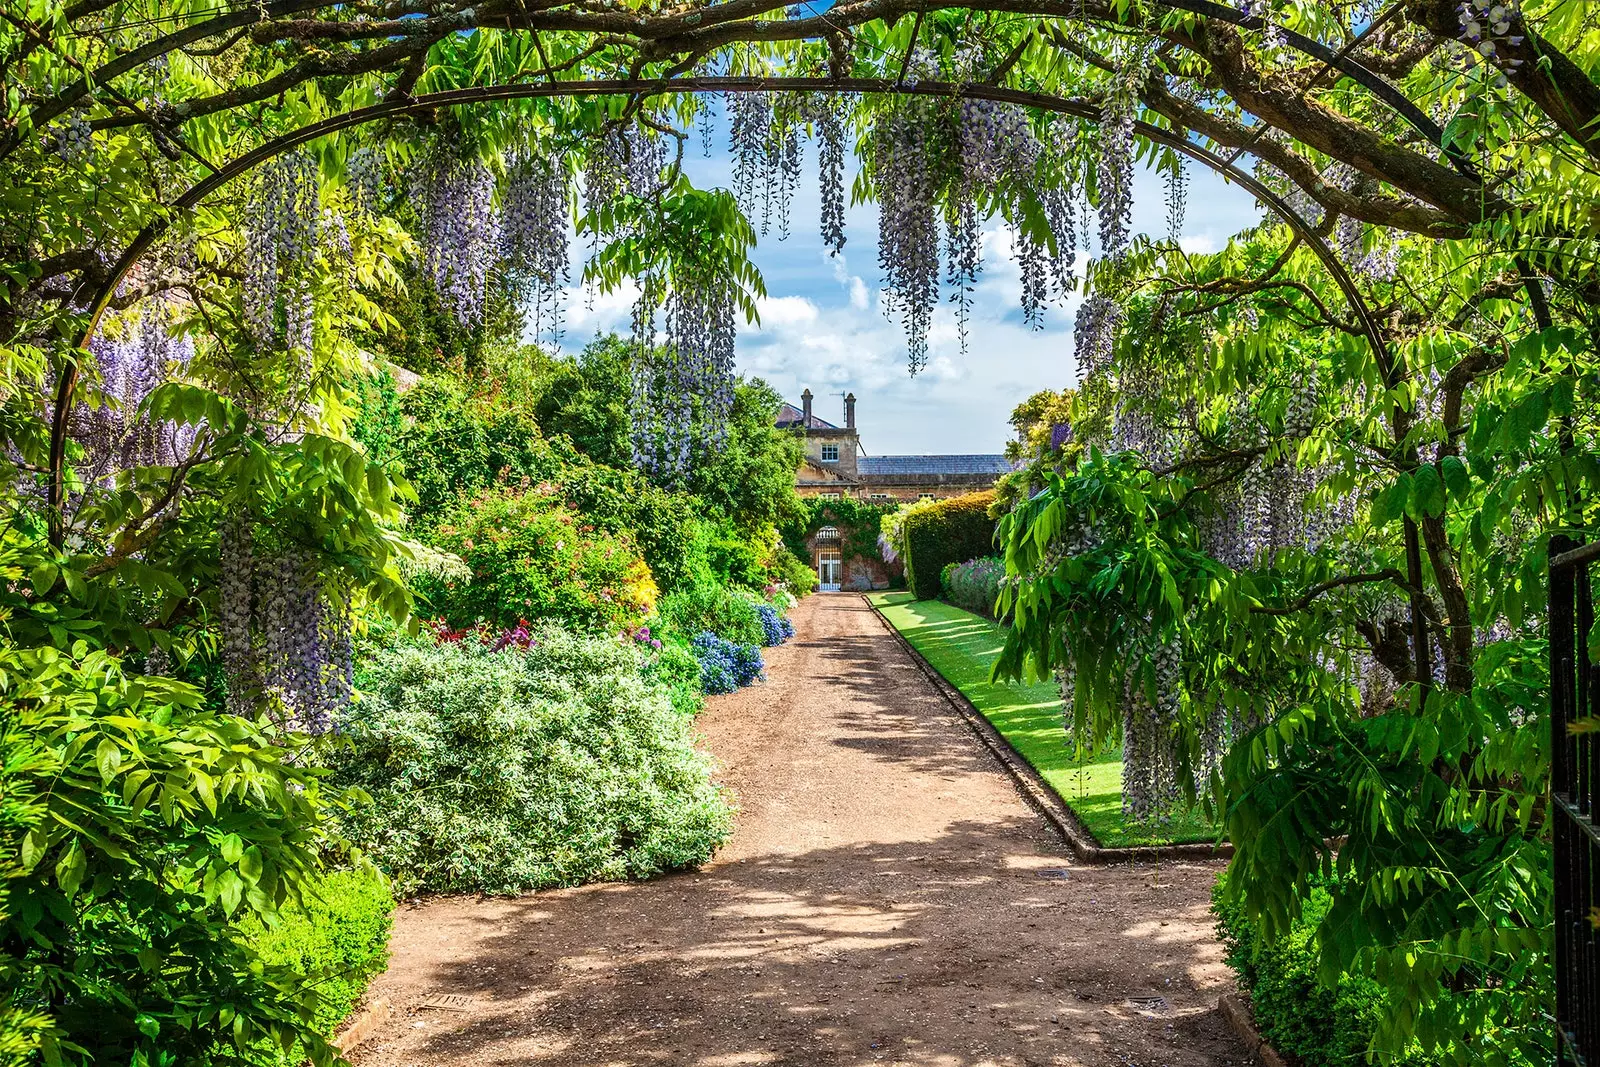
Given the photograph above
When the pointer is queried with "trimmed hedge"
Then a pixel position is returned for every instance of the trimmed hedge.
(975, 584)
(338, 938)
(951, 531)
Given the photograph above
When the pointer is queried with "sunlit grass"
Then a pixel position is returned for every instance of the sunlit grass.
(962, 647)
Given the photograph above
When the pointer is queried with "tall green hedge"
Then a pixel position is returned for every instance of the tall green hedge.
(951, 531)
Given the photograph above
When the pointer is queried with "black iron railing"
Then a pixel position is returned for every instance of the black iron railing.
(1574, 793)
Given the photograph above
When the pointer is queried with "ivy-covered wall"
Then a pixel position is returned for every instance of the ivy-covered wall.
(857, 521)
(951, 531)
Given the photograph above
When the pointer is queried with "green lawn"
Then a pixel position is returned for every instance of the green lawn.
(962, 647)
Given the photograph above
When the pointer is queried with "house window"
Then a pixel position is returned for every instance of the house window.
(830, 453)
(924, 496)
(882, 496)
(828, 496)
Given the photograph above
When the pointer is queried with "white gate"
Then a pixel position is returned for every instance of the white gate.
(829, 569)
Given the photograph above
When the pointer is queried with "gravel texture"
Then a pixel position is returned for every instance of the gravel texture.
(887, 898)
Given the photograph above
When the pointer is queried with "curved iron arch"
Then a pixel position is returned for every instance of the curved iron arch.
(643, 88)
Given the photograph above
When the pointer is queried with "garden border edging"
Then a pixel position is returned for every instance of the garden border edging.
(1033, 787)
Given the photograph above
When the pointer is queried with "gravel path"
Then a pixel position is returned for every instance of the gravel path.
(887, 898)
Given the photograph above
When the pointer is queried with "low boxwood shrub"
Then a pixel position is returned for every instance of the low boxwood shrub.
(506, 772)
(337, 936)
(975, 584)
(947, 531)
(532, 557)
(1315, 1025)
(726, 665)
(728, 613)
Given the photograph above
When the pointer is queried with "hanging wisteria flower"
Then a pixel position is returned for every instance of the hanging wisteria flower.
(1177, 180)
(115, 435)
(908, 226)
(683, 391)
(1487, 25)
(286, 634)
(281, 222)
(73, 137)
(536, 207)
(460, 231)
(1117, 113)
(830, 170)
(1094, 335)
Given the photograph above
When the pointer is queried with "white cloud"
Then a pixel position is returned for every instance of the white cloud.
(776, 311)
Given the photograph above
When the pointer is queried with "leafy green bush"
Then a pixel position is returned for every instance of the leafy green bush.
(974, 585)
(791, 572)
(454, 444)
(533, 558)
(947, 531)
(142, 827)
(513, 771)
(337, 936)
(728, 613)
(668, 527)
(675, 667)
(1298, 1015)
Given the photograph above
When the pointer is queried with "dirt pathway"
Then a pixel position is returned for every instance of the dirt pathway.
(887, 898)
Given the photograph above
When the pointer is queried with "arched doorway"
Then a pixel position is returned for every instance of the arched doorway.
(829, 561)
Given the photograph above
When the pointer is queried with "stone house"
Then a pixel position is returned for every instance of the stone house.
(836, 466)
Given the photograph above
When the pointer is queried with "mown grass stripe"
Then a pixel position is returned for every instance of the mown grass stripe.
(962, 647)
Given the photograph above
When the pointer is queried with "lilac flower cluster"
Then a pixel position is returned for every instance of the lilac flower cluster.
(776, 628)
(726, 665)
(643, 636)
(460, 231)
(281, 224)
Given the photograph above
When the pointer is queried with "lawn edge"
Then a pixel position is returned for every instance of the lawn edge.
(1038, 792)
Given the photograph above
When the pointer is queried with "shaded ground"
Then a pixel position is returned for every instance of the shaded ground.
(963, 647)
(887, 898)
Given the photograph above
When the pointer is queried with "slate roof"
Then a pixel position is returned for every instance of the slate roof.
(789, 415)
(868, 466)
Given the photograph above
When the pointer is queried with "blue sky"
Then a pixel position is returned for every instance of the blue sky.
(822, 326)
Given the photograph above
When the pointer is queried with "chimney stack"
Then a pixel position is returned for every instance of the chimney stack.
(805, 409)
(850, 411)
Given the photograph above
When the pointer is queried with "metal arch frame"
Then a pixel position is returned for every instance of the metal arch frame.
(643, 88)
(1209, 9)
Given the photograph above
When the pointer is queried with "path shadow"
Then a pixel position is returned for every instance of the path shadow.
(953, 951)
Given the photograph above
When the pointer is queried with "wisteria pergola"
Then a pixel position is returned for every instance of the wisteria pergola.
(1205, 95)
(1356, 124)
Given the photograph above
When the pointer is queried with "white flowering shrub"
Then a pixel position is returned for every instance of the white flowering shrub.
(525, 769)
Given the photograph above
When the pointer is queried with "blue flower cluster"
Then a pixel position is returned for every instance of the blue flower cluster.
(776, 628)
(725, 665)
